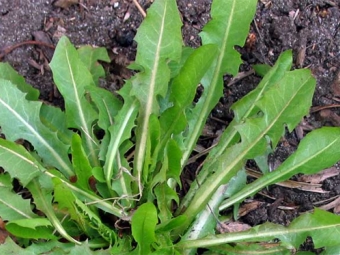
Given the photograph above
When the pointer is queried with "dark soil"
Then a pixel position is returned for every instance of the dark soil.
(310, 28)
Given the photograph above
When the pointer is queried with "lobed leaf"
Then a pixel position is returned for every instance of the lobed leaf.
(144, 223)
(55, 120)
(14, 207)
(228, 27)
(165, 196)
(43, 200)
(108, 106)
(36, 228)
(93, 221)
(81, 164)
(72, 77)
(159, 41)
(25, 124)
(50, 247)
(244, 108)
(119, 133)
(8, 73)
(284, 104)
(182, 93)
(10, 247)
(18, 162)
(322, 226)
(90, 57)
(317, 151)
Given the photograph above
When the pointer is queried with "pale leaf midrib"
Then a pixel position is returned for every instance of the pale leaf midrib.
(114, 148)
(15, 209)
(211, 90)
(84, 126)
(38, 136)
(220, 174)
(19, 156)
(269, 181)
(149, 103)
(227, 238)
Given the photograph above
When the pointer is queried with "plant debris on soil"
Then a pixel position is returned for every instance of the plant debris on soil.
(30, 29)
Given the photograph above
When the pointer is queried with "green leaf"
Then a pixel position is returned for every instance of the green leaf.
(90, 56)
(86, 196)
(244, 108)
(229, 18)
(31, 228)
(14, 207)
(94, 222)
(8, 73)
(108, 105)
(81, 165)
(143, 223)
(61, 248)
(171, 224)
(10, 247)
(159, 41)
(282, 105)
(43, 200)
(261, 69)
(25, 123)
(65, 198)
(205, 222)
(255, 249)
(228, 27)
(317, 151)
(72, 77)
(334, 249)
(165, 197)
(182, 93)
(5, 179)
(18, 162)
(55, 120)
(322, 226)
(119, 133)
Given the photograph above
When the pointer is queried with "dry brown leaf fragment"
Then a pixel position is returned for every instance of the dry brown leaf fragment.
(3, 232)
(232, 226)
(65, 3)
(319, 177)
(248, 207)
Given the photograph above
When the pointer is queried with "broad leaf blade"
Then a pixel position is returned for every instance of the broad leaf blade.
(317, 151)
(17, 161)
(43, 200)
(108, 105)
(182, 92)
(81, 164)
(291, 97)
(144, 223)
(244, 108)
(25, 123)
(159, 41)
(8, 73)
(36, 228)
(10, 247)
(90, 56)
(322, 226)
(229, 27)
(14, 207)
(71, 77)
(55, 120)
(119, 133)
